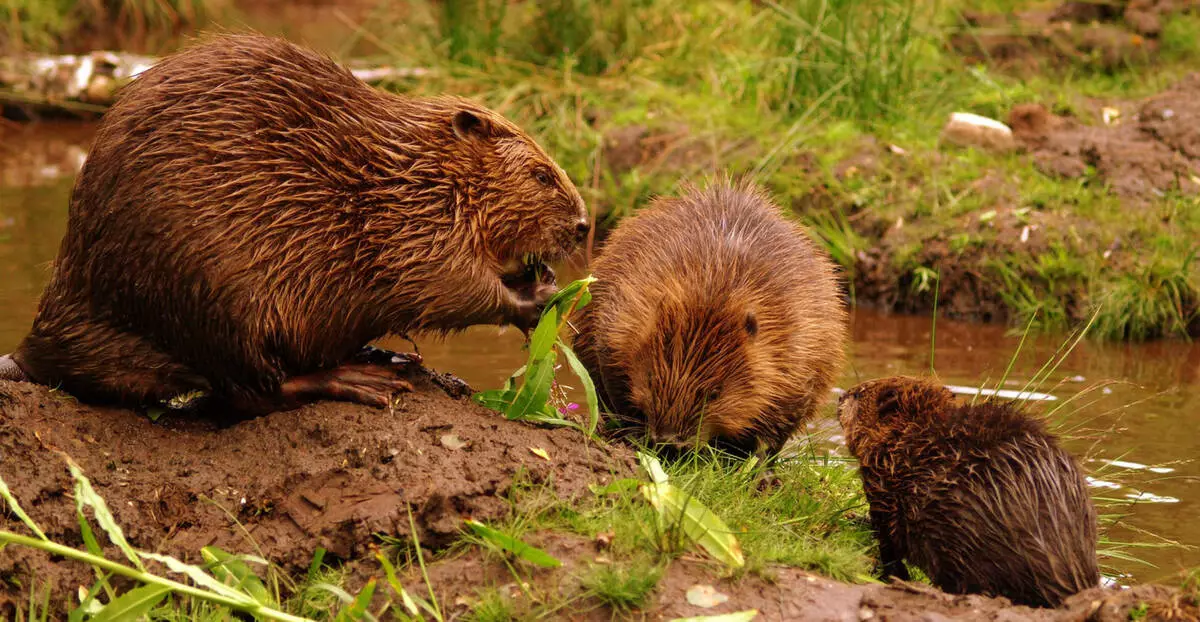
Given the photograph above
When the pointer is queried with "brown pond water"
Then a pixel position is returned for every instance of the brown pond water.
(1137, 404)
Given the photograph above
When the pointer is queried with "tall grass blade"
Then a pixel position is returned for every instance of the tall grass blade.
(15, 508)
(86, 495)
(589, 388)
(517, 548)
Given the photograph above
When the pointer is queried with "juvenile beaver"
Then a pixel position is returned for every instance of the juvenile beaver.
(713, 320)
(980, 497)
(252, 214)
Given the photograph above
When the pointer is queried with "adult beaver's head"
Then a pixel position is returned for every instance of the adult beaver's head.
(526, 210)
(870, 408)
(694, 378)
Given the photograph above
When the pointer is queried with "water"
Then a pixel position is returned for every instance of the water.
(1140, 404)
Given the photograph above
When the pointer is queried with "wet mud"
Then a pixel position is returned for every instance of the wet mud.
(777, 593)
(331, 475)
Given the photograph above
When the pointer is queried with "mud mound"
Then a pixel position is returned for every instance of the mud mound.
(1154, 152)
(778, 593)
(329, 475)
(1105, 34)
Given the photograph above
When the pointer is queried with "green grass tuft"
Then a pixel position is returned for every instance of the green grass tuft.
(623, 587)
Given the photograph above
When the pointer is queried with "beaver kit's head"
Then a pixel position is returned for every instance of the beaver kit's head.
(873, 408)
(715, 321)
(526, 209)
(697, 377)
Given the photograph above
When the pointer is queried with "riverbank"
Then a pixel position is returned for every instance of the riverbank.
(321, 492)
(839, 110)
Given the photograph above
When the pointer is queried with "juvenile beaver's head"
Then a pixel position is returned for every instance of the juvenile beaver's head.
(693, 379)
(870, 409)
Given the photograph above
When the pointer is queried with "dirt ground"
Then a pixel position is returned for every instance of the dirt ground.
(780, 593)
(329, 475)
(1105, 34)
(339, 476)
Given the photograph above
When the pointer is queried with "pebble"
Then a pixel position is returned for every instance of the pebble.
(972, 130)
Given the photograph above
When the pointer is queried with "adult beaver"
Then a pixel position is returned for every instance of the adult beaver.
(252, 214)
(713, 320)
(979, 497)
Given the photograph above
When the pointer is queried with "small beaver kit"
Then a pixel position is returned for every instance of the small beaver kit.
(713, 320)
(980, 497)
(251, 215)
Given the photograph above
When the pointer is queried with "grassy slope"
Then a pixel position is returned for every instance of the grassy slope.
(790, 94)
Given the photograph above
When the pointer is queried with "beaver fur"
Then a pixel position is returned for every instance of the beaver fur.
(980, 497)
(713, 319)
(251, 214)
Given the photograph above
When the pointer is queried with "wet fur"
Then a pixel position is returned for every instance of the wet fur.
(712, 302)
(252, 212)
(980, 497)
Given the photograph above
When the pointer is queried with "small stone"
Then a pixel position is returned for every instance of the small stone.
(705, 596)
(971, 130)
(452, 442)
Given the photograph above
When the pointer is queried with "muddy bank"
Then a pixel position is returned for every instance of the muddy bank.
(777, 593)
(329, 475)
(1139, 152)
(341, 477)
(1108, 35)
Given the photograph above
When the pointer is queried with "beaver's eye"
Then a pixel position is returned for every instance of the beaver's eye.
(542, 177)
(712, 396)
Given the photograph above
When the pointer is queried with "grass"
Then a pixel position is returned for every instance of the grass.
(795, 93)
(622, 587)
(44, 25)
(492, 605)
(807, 96)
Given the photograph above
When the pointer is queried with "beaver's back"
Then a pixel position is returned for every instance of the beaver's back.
(248, 180)
(1004, 510)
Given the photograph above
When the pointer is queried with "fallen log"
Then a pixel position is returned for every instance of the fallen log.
(86, 84)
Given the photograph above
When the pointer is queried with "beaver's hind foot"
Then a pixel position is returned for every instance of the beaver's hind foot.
(365, 383)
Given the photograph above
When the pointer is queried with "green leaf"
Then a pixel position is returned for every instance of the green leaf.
(409, 601)
(358, 609)
(315, 565)
(132, 604)
(535, 391)
(700, 524)
(561, 300)
(589, 389)
(653, 468)
(85, 494)
(737, 616)
(16, 509)
(233, 571)
(85, 529)
(495, 399)
(545, 418)
(544, 335)
(521, 550)
(620, 486)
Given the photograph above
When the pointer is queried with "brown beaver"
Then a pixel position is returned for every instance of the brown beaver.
(713, 320)
(252, 214)
(979, 497)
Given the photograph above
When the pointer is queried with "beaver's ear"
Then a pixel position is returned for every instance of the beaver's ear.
(751, 324)
(468, 124)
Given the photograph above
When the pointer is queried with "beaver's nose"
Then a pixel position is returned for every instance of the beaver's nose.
(581, 229)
